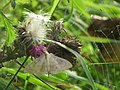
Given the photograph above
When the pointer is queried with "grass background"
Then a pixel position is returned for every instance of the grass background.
(77, 16)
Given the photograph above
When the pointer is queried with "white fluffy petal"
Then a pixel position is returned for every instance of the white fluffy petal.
(35, 25)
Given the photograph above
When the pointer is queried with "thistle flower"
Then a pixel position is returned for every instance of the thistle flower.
(35, 27)
(38, 51)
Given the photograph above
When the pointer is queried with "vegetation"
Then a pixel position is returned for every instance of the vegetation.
(92, 68)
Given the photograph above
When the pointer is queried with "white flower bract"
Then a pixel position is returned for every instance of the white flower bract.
(36, 26)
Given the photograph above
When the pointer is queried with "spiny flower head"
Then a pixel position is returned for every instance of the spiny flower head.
(37, 51)
(36, 26)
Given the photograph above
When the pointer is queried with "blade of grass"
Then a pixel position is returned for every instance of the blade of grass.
(67, 18)
(75, 76)
(3, 83)
(81, 60)
(98, 40)
(26, 82)
(44, 82)
(5, 5)
(16, 73)
(28, 76)
(55, 4)
(32, 79)
(79, 4)
(36, 77)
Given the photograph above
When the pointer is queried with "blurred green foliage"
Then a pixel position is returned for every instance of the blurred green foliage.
(77, 18)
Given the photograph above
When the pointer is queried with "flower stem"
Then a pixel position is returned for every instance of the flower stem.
(16, 73)
(44, 82)
(55, 4)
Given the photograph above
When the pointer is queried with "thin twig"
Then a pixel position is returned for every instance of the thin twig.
(44, 82)
(16, 73)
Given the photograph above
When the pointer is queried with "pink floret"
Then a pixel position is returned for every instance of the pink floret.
(37, 51)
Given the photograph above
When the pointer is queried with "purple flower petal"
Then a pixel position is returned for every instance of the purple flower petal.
(37, 51)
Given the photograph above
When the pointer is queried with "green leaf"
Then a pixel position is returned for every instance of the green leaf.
(31, 78)
(79, 5)
(75, 76)
(55, 4)
(11, 34)
(98, 40)
(3, 84)
(13, 3)
(67, 17)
